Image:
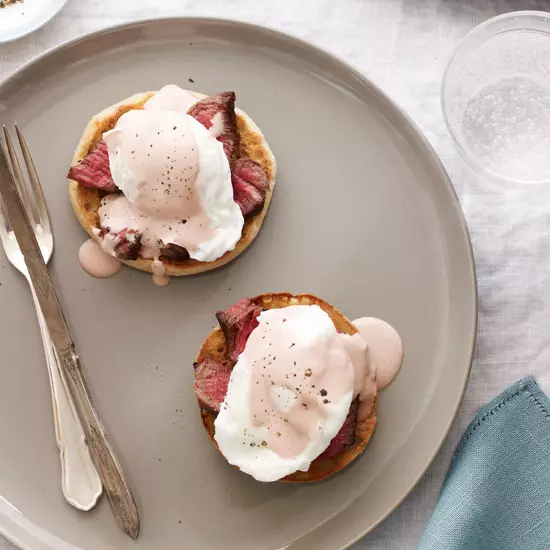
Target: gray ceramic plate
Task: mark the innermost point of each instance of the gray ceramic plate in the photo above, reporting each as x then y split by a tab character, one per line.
363	215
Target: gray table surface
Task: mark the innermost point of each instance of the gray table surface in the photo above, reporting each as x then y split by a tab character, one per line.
403	45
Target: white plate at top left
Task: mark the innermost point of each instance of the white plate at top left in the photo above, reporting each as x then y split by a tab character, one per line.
22	18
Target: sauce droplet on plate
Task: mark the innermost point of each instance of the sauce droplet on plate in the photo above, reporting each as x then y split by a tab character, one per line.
159	273
161	280
385	346
95	261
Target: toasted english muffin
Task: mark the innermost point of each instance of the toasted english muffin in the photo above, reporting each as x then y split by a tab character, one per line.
86	201
215	347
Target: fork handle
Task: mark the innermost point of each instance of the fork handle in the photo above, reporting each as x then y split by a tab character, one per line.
76	463
115	485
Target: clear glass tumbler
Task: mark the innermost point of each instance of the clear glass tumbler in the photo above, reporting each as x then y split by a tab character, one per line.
496	98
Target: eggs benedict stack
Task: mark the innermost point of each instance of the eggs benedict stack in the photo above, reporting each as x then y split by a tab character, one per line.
287	388
171	181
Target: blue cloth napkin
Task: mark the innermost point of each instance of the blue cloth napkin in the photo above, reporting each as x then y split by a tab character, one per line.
496	495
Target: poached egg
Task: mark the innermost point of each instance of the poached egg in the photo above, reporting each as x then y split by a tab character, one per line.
288	395
175	179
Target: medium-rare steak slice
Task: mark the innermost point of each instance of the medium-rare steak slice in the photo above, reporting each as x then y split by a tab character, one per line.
237	323
250	200
128	249
250	171
346	436
211	381
217	114
249	186
128	242
94	170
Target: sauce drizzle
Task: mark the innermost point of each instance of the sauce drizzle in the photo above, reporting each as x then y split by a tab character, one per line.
295	381
95	261
385	348
159	273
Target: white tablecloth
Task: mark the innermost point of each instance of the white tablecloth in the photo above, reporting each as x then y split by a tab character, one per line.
404	46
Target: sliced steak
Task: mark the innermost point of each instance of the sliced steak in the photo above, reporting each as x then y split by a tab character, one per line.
250	171
94	170
249	186
250	200
129	246
211	381
174	252
217	113
129	243
345	437
237	323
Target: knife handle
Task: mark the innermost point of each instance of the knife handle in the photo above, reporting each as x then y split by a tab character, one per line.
115	485
72	451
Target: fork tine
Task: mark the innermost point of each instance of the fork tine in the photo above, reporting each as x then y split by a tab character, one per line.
5	226
40	200
18	176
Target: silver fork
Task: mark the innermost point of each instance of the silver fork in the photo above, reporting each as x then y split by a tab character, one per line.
80	483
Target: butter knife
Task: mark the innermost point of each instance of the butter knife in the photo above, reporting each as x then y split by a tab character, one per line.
118	491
